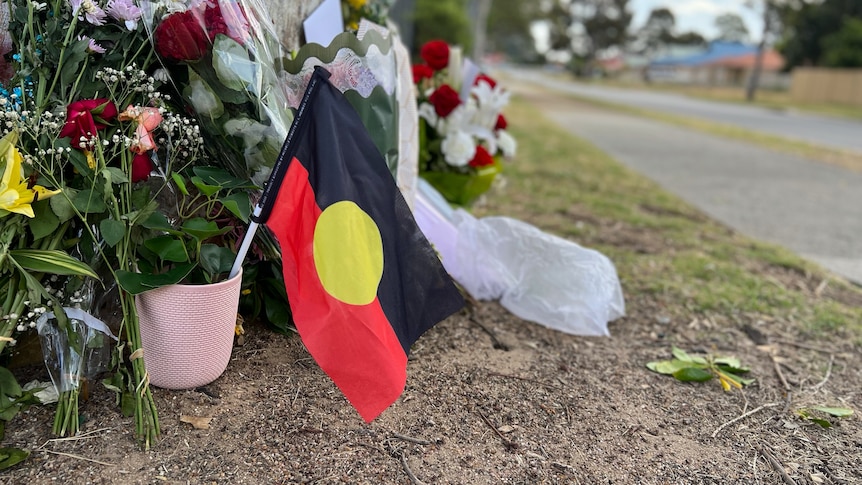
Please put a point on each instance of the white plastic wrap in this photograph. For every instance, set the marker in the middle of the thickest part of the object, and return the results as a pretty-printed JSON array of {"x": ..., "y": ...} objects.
[{"x": 537, "y": 276}]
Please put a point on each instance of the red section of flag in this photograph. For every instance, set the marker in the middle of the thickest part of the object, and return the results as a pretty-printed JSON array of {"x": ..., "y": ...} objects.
[{"x": 355, "y": 345}]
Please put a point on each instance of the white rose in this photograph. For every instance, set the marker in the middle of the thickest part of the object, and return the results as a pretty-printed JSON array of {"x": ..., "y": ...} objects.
[
  {"x": 506, "y": 143},
  {"x": 458, "y": 148}
]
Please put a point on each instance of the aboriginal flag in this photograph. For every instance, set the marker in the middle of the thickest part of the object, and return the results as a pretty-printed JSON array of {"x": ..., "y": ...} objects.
[{"x": 362, "y": 281}]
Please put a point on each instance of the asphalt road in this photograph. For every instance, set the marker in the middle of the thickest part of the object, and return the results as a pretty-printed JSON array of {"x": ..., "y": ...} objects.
[
  {"x": 809, "y": 207},
  {"x": 820, "y": 130}
]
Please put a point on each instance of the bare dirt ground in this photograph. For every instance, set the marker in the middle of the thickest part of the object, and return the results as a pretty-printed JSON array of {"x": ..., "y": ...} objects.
[{"x": 494, "y": 399}]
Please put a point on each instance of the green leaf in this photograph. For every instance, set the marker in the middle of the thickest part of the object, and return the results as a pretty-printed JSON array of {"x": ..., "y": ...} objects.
[
  {"x": 117, "y": 175},
  {"x": 89, "y": 201},
  {"x": 823, "y": 423},
  {"x": 837, "y": 412},
  {"x": 692, "y": 374},
  {"x": 8, "y": 384},
  {"x": 136, "y": 283},
  {"x": 73, "y": 57},
  {"x": 12, "y": 456},
  {"x": 112, "y": 231},
  {"x": 683, "y": 356},
  {"x": 157, "y": 221},
  {"x": 205, "y": 188},
  {"x": 216, "y": 259},
  {"x": 670, "y": 366},
  {"x": 62, "y": 204},
  {"x": 729, "y": 362},
  {"x": 51, "y": 261},
  {"x": 180, "y": 183},
  {"x": 238, "y": 204},
  {"x": 45, "y": 221},
  {"x": 232, "y": 64},
  {"x": 202, "y": 229},
  {"x": 222, "y": 178},
  {"x": 79, "y": 161},
  {"x": 168, "y": 248}
]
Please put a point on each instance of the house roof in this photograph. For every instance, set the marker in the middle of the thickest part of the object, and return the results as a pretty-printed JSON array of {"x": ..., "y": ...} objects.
[
  {"x": 715, "y": 51},
  {"x": 772, "y": 61}
]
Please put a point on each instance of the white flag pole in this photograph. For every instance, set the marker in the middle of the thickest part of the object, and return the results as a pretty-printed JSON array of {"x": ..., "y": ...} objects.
[{"x": 246, "y": 244}]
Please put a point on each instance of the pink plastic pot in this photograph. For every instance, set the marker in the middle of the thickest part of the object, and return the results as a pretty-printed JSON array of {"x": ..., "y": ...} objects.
[{"x": 187, "y": 332}]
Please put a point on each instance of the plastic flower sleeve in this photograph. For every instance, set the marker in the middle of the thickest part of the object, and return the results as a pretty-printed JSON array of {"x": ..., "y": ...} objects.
[
  {"x": 76, "y": 350},
  {"x": 224, "y": 58},
  {"x": 535, "y": 275},
  {"x": 363, "y": 67}
]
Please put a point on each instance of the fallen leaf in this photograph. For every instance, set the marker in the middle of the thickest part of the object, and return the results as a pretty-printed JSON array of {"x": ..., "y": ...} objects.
[
  {"x": 197, "y": 422},
  {"x": 505, "y": 429}
]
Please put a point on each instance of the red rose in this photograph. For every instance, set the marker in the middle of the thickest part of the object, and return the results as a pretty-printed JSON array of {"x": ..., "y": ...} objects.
[
  {"x": 142, "y": 165},
  {"x": 181, "y": 37},
  {"x": 482, "y": 158},
  {"x": 501, "y": 123},
  {"x": 488, "y": 79},
  {"x": 436, "y": 54},
  {"x": 420, "y": 72},
  {"x": 85, "y": 117},
  {"x": 227, "y": 19},
  {"x": 445, "y": 100}
]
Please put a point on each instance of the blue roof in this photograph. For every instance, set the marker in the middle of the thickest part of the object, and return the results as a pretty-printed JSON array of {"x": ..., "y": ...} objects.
[{"x": 714, "y": 51}]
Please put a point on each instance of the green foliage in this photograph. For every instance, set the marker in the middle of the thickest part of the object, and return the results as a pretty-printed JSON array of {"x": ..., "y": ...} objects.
[
  {"x": 12, "y": 456},
  {"x": 807, "y": 25},
  {"x": 731, "y": 28},
  {"x": 815, "y": 414},
  {"x": 192, "y": 248},
  {"x": 688, "y": 368},
  {"x": 844, "y": 48},
  {"x": 441, "y": 19},
  {"x": 508, "y": 28},
  {"x": 589, "y": 27}
]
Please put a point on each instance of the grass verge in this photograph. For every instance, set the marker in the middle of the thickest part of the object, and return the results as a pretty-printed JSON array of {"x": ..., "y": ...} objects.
[
  {"x": 668, "y": 254},
  {"x": 842, "y": 158}
]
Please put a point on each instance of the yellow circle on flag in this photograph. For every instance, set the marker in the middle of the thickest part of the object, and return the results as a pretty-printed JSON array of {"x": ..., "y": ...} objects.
[{"x": 348, "y": 253}]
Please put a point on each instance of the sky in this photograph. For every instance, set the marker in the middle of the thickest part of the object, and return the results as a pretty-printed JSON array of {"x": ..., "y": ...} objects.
[{"x": 699, "y": 15}]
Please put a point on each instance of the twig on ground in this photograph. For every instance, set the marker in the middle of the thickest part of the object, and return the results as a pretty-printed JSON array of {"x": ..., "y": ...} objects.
[
  {"x": 805, "y": 346},
  {"x": 82, "y": 436},
  {"x": 410, "y": 474},
  {"x": 494, "y": 340},
  {"x": 781, "y": 377},
  {"x": 545, "y": 384},
  {"x": 776, "y": 465},
  {"x": 510, "y": 445},
  {"x": 411, "y": 439},
  {"x": 828, "y": 373},
  {"x": 79, "y": 457},
  {"x": 740, "y": 418},
  {"x": 783, "y": 380}
]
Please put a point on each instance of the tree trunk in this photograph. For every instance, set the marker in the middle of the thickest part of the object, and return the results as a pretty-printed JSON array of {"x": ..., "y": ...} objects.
[
  {"x": 288, "y": 18},
  {"x": 754, "y": 79},
  {"x": 480, "y": 29}
]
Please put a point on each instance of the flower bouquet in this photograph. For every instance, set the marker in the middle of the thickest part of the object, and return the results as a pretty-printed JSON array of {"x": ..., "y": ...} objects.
[
  {"x": 462, "y": 132},
  {"x": 94, "y": 124},
  {"x": 225, "y": 59}
]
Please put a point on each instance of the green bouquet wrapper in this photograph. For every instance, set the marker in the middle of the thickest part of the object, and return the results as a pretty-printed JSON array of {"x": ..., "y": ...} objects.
[{"x": 463, "y": 189}]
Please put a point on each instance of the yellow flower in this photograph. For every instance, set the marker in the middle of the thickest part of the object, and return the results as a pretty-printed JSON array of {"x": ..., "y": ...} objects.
[
  {"x": 16, "y": 195},
  {"x": 356, "y": 4}
]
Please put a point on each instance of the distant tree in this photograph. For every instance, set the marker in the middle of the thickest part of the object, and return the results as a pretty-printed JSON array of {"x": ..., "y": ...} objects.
[
  {"x": 689, "y": 38},
  {"x": 657, "y": 32},
  {"x": 731, "y": 28},
  {"x": 441, "y": 19},
  {"x": 508, "y": 28},
  {"x": 807, "y": 24},
  {"x": 844, "y": 48},
  {"x": 586, "y": 28}
]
